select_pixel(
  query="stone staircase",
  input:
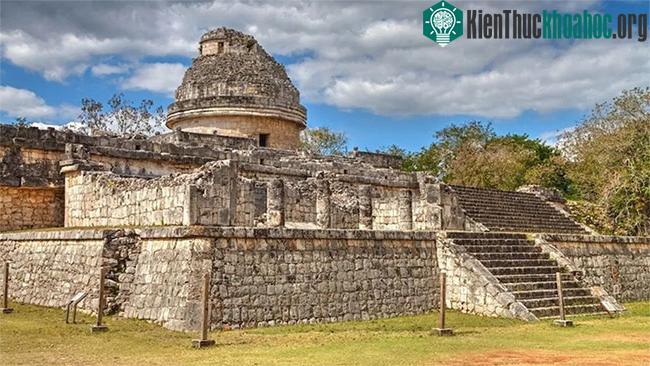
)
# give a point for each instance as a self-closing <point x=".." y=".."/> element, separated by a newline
<point x="513" y="211"/>
<point x="528" y="273"/>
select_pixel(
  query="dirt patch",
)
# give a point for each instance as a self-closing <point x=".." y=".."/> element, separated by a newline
<point x="534" y="357"/>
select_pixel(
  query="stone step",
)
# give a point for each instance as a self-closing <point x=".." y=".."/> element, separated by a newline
<point x="517" y="222"/>
<point x="540" y="285"/>
<point x="554" y="311"/>
<point x="495" y="263"/>
<point x="476" y="249"/>
<point x="501" y="271"/>
<point x="492" y="191"/>
<point x="506" y="207"/>
<point x="501" y="227"/>
<point x="516" y="217"/>
<point x="507" y="279"/>
<point x="535" y="230"/>
<point x="484" y="235"/>
<point x="492" y="241"/>
<point x="502" y="201"/>
<point x="548" y="293"/>
<point x="520" y="218"/>
<point x="512" y="255"/>
<point x="554" y="301"/>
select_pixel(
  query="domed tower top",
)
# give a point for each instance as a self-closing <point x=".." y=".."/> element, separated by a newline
<point x="235" y="88"/>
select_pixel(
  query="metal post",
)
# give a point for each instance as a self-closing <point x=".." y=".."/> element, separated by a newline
<point x="205" y="318"/>
<point x="441" y="330"/>
<point x="99" y="327"/>
<point x="5" y="292"/>
<point x="562" y="321"/>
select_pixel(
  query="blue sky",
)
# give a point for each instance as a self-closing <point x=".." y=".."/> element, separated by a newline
<point x="362" y="68"/>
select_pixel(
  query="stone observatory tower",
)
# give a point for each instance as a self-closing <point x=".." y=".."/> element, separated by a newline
<point x="234" y="88"/>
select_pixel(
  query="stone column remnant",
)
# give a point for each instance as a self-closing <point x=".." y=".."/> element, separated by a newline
<point x="275" y="203"/>
<point x="205" y="316"/>
<point x="99" y="327"/>
<point x="442" y="330"/>
<point x="365" y="207"/>
<point x="406" y="210"/>
<point x="323" y="202"/>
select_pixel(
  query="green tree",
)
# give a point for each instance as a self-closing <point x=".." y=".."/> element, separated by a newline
<point x="473" y="154"/>
<point x="609" y="159"/>
<point x="323" y="141"/>
<point x="21" y="122"/>
<point x="123" y="118"/>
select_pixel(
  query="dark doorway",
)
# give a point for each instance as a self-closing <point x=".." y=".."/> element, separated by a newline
<point x="264" y="139"/>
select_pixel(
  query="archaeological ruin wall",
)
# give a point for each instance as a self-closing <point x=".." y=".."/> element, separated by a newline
<point x="29" y="208"/>
<point x="235" y="193"/>
<point x="258" y="276"/>
<point x="618" y="264"/>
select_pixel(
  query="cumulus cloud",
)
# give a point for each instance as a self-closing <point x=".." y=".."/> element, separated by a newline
<point x="23" y="103"/>
<point x="156" y="77"/>
<point x="107" y="69"/>
<point x="17" y="102"/>
<point x="368" y="55"/>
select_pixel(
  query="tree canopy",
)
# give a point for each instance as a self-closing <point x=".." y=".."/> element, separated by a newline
<point x="123" y="117"/>
<point x="323" y="141"/>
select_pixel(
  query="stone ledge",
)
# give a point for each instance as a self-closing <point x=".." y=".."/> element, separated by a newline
<point x="280" y="233"/>
<point x="595" y="239"/>
<point x="55" y="234"/>
<point x="165" y="232"/>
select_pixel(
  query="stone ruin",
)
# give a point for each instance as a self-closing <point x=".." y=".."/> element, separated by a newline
<point x="286" y="237"/>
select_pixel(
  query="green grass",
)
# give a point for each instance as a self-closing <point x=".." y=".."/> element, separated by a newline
<point x="38" y="336"/>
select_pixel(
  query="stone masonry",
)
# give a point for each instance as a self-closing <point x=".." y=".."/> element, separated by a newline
<point x="286" y="237"/>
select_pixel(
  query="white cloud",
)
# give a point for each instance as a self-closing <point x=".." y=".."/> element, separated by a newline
<point x="553" y="137"/>
<point x="156" y="77"/>
<point x="25" y="103"/>
<point x="107" y="69"/>
<point x="359" y="55"/>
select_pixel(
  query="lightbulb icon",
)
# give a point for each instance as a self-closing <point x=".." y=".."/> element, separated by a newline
<point x="442" y="21"/>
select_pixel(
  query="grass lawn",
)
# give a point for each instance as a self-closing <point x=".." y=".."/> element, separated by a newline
<point x="37" y="336"/>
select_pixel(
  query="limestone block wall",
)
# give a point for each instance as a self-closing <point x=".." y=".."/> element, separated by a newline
<point x="282" y="133"/>
<point x="48" y="268"/>
<point x="258" y="276"/>
<point x="620" y="265"/>
<point x="166" y="284"/>
<point x="233" y="193"/>
<point x="26" y="208"/>
<point x="282" y="276"/>
<point x="104" y="199"/>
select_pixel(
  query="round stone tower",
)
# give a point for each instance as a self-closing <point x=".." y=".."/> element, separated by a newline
<point x="235" y="88"/>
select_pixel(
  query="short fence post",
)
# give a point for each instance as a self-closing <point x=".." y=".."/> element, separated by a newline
<point x="5" y="292"/>
<point x="562" y="321"/>
<point x="99" y="327"/>
<point x="441" y="330"/>
<point x="205" y="318"/>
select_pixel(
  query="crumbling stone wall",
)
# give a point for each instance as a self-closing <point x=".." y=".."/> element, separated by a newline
<point x="232" y="193"/>
<point x="258" y="276"/>
<point x="104" y="199"/>
<point x="168" y="279"/>
<point x="48" y="268"/>
<point x="26" y="208"/>
<point x="273" y="276"/>
<point x="620" y="265"/>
